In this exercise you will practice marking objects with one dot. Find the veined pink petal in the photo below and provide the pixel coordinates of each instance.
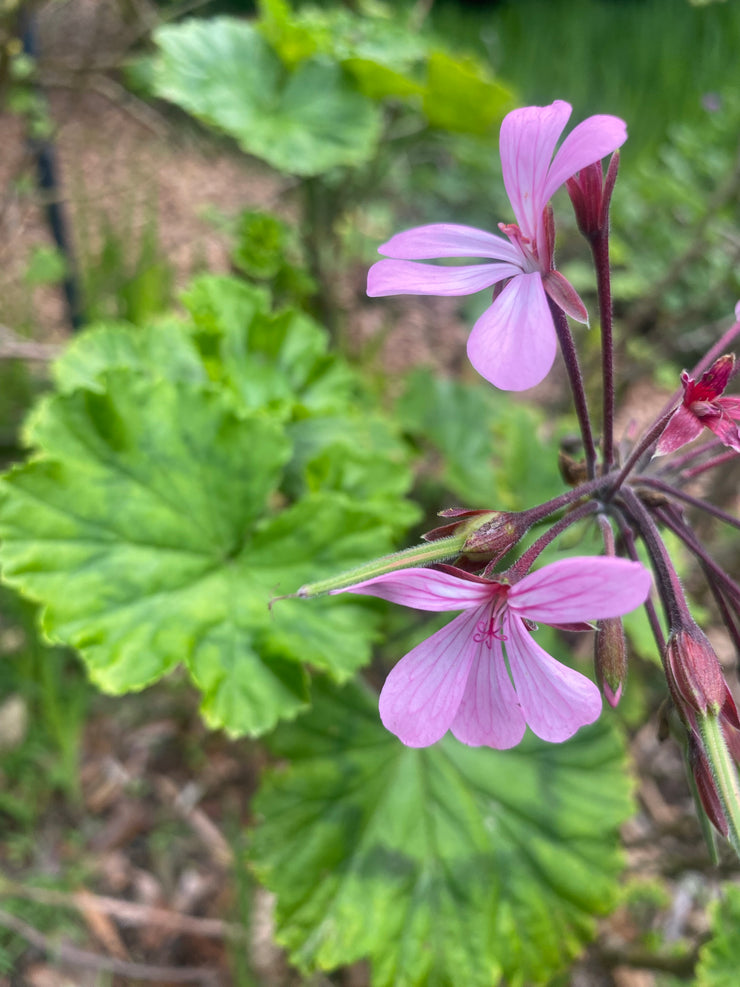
(556, 700)
(526, 144)
(425, 589)
(408, 277)
(682, 428)
(590, 141)
(513, 343)
(489, 714)
(449, 240)
(423, 692)
(725, 429)
(592, 587)
(730, 405)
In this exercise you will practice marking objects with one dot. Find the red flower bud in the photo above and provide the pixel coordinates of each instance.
(591, 193)
(610, 658)
(694, 674)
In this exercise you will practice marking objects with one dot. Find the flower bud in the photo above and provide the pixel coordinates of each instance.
(591, 193)
(465, 520)
(694, 674)
(706, 787)
(610, 658)
(492, 539)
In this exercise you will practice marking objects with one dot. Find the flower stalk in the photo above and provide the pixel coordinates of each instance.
(483, 676)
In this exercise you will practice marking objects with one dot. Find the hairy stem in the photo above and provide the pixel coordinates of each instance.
(698, 502)
(600, 251)
(570, 357)
(525, 561)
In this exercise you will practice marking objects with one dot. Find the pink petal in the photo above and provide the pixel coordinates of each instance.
(489, 714)
(513, 343)
(730, 406)
(425, 589)
(449, 240)
(712, 383)
(407, 277)
(590, 141)
(725, 429)
(556, 700)
(587, 588)
(565, 295)
(527, 142)
(682, 428)
(423, 692)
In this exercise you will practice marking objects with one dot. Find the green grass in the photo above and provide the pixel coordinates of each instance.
(649, 61)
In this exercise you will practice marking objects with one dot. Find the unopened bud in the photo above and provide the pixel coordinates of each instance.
(492, 539)
(610, 658)
(590, 192)
(694, 674)
(706, 787)
(464, 521)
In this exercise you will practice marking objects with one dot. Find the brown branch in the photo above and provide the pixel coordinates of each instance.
(64, 953)
(126, 912)
(14, 347)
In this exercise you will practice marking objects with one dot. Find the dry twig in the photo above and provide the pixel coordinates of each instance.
(64, 953)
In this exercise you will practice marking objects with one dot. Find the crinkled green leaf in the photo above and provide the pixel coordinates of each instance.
(462, 97)
(357, 454)
(146, 528)
(280, 361)
(447, 866)
(277, 360)
(163, 350)
(262, 243)
(719, 959)
(303, 122)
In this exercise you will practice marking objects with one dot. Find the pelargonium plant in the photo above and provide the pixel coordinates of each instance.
(483, 676)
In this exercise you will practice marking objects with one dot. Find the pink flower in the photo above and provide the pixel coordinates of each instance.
(513, 343)
(458, 679)
(703, 405)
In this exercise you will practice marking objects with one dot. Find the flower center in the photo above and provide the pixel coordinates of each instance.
(705, 409)
(487, 630)
(528, 249)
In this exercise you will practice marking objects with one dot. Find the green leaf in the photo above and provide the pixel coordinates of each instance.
(145, 527)
(294, 38)
(360, 455)
(378, 81)
(261, 245)
(378, 46)
(304, 122)
(277, 360)
(47, 265)
(495, 454)
(462, 97)
(719, 959)
(162, 350)
(447, 866)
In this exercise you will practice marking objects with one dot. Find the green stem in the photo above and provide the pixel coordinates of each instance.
(417, 555)
(724, 774)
